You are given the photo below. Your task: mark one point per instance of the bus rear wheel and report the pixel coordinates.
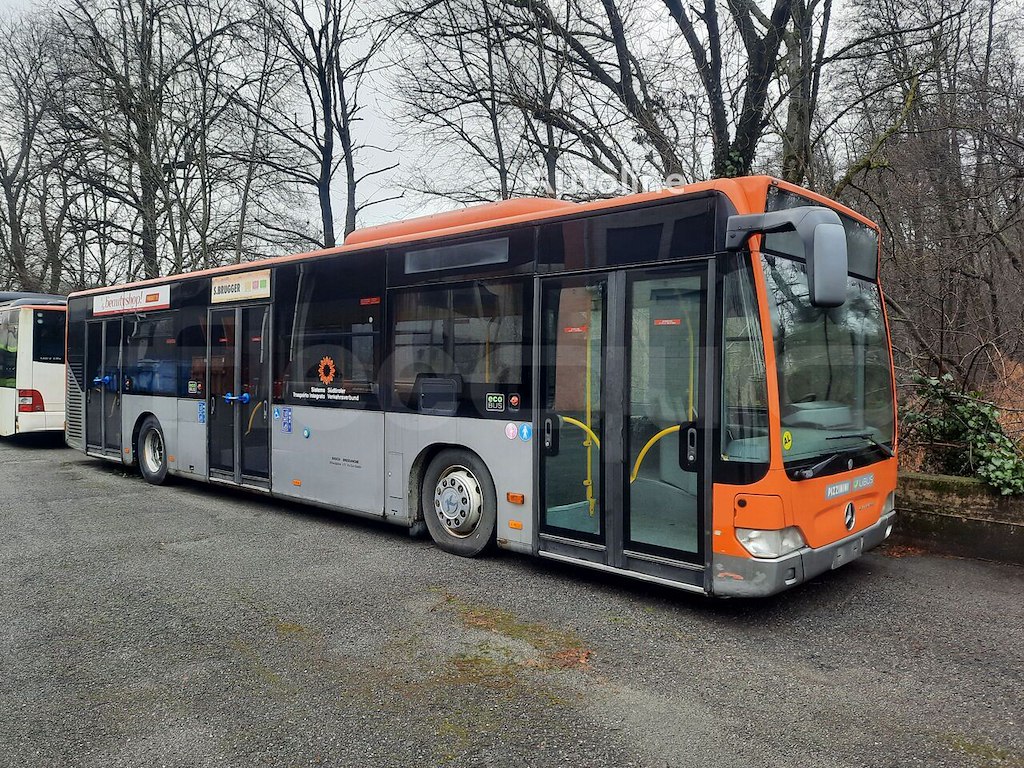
(460, 505)
(152, 452)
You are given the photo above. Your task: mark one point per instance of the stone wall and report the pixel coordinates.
(959, 516)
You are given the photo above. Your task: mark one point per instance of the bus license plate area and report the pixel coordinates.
(849, 551)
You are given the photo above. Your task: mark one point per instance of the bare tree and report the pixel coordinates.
(25, 99)
(947, 179)
(126, 59)
(329, 46)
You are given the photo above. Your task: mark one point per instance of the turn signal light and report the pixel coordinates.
(30, 401)
(516, 498)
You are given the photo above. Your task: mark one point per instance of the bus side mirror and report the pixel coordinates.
(827, 264)
(823, 237)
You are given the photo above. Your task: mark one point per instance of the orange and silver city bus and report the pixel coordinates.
(692, 387)
(31, 363)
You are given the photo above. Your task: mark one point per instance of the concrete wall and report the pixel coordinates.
(959, 516)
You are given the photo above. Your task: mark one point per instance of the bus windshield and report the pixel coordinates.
(835, 387)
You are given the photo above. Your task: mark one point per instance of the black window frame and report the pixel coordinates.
(359, 280)
(129, 363)
(470, 398)
(60, 315)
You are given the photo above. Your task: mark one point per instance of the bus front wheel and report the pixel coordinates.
(459, 503)
(152, 452)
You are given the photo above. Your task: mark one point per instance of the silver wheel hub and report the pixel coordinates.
(458, 501)
(153, 451)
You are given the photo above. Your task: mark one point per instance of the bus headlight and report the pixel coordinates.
(770, 544)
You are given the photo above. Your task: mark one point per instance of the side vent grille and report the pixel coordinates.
(73, 408)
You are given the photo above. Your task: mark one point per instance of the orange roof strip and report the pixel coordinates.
(747, 194)
(52, 307)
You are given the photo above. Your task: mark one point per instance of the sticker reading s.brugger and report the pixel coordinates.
(787, 440)
(326, 370)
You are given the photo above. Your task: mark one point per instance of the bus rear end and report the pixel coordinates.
(32, 379)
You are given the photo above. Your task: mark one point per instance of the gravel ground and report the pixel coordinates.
(192, 626)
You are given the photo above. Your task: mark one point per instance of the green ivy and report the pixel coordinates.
(961, 435)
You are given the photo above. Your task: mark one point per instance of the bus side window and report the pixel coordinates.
(329, 346)
(744, 378)
(471, 334)
(8, 348)
(151, 355)
(192, 352)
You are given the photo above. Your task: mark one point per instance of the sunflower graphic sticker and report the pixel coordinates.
(326, 370)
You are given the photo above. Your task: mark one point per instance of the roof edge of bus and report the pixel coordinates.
(21, 298)
(750, 189)
(59, 307)
(484, 213)
(824, 200)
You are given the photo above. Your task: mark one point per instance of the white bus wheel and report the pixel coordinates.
(459, 503)
(152, 452)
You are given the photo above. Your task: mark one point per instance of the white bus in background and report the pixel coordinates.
(31, 363)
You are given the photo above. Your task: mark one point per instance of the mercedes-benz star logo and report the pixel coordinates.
(851, 516)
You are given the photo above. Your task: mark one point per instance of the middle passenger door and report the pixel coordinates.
(239, 395)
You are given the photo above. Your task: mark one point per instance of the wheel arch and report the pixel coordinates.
(136, 431)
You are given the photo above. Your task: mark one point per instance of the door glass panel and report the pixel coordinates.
(253, 411)
(94, 384)
(664, 399)
(112, 388)
(222, 382)
(573, 409)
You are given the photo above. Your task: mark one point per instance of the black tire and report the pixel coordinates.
(460, 505)
(152, 452)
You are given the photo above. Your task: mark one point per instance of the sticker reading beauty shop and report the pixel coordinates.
(139, 300)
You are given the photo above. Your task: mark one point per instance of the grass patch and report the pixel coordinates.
(992, 755)
(288, 628)
(557, 649)
(483, 671)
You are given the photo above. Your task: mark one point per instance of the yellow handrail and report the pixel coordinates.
(693, 355)
(584, 427)
(252, 417)
(646, 448)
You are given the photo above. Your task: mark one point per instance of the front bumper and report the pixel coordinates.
(749, 577)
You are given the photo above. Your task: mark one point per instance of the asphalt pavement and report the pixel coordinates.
(188, 625)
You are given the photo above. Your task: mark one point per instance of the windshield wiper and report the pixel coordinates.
(870, 438)
(815, 469)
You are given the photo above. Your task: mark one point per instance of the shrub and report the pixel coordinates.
(960, 435)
